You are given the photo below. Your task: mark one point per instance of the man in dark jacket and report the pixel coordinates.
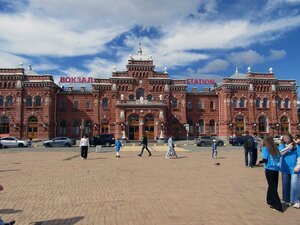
(249, 146)
(145, 146)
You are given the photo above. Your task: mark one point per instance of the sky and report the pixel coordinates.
(192, 38)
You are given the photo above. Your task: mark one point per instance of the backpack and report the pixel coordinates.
(249, 144)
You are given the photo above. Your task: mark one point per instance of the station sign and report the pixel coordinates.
(76, 80)
(201, 81)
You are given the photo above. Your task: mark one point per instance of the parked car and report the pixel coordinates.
(208, 141)
(237, 141)
(14, 142)
(60, 142)
(277, 139)
(102, 139)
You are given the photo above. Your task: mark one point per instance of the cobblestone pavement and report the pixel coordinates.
(58, 187)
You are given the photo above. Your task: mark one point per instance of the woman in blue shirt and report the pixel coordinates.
(290, 177)
(271, 159)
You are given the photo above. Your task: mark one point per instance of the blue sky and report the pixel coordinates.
(192, 38)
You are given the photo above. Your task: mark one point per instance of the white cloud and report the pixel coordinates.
(277, 54)
(214, 66)
(247, 58)
(75, 28)
(11, 61)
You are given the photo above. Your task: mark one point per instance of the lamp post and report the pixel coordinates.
(277, 127)
(197, 126)
(298, 126)
(231, 128)
(254, 126)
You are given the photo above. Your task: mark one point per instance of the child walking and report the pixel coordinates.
(214, 149)
(118, 146)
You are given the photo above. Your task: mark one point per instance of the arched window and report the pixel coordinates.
(200, 105)
(4, 125)
(212, 126)
(149, 97)
(88, 126)
(239, 125)
(63, 127)
(212, 105)
(285, 124)
(63, 104)
(174, 103)
(191, 127)
(76, 127)
(265, 103)
(201, 126)
(242, 103)
(257, 102)
(235, 103)
(139, 93)
(104, 103)
(1, 100)
(262, 124)
(189, 105)
(37, 101)
(131, 97)
(9, 101)
(279, 103)
(28, 101)
(287, 103)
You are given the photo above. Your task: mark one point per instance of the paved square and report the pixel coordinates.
(57, 187)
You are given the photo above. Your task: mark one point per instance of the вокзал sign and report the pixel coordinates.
(76, 80)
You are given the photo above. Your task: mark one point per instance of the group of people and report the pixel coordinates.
(1, 221)
(284, 159)
(84, 145)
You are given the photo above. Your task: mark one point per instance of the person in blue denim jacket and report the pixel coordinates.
(290, 152)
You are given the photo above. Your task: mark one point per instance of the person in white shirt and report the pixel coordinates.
(84, 145)
(171, 151)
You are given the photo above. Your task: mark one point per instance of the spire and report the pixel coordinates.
(140, 51)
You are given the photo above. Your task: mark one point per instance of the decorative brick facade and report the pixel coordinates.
(141, 101)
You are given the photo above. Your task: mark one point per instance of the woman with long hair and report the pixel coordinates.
(271, 159)
(290, 152)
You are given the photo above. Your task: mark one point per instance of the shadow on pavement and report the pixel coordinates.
(12, 170)
(69, 221)
(10, 211)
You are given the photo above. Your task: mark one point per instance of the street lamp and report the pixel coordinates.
(298, 126)
(277, 127)
(231, 128)
(254, 126)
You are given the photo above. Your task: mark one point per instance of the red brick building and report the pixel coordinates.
(142, 100)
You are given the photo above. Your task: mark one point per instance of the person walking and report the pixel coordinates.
(271, 159)
(1, 221)
(257, 147)
(118, 146)
(171, 150)
(249, 146)
(214, 149)
(84, 145)
(145, 146)
(290, 152)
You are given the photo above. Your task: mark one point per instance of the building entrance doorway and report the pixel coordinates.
(32, 127)
(149, 127)
(133, 126)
